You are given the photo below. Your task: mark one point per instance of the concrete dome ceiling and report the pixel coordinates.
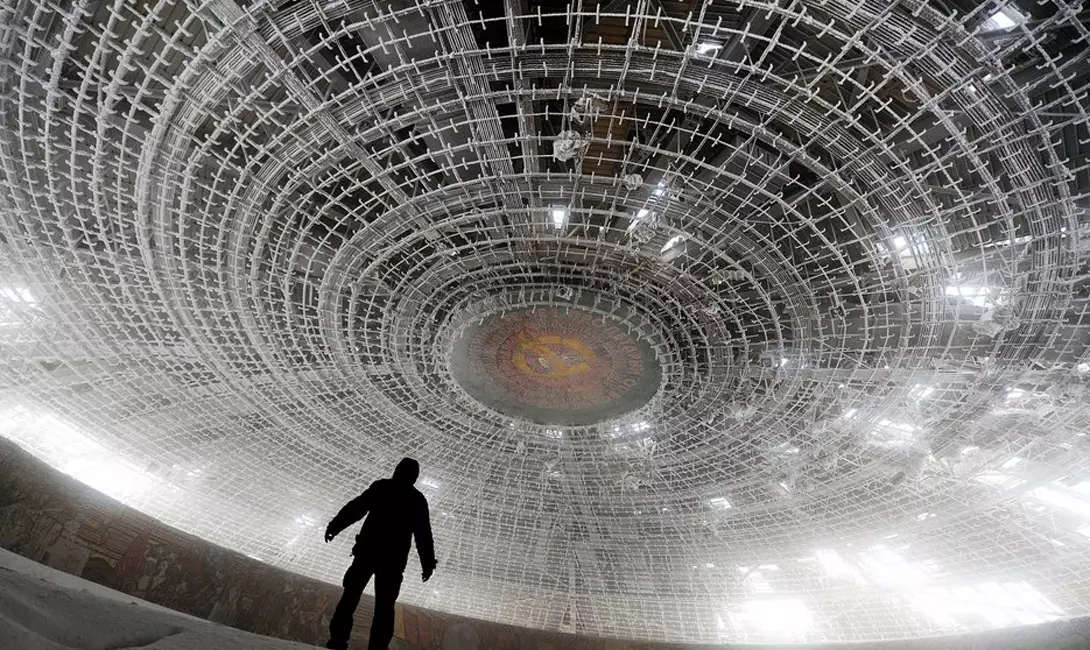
(708, 320)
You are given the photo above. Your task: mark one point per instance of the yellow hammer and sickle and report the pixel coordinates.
(544, 348)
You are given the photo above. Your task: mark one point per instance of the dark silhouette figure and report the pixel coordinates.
(396, 513)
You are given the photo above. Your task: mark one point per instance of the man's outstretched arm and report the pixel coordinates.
(352, 512)
(425, 545)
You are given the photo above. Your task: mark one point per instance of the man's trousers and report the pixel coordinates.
(387, 588)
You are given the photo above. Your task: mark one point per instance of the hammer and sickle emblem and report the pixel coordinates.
(551, 356)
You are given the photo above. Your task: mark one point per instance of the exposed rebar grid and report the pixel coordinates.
(812, 275)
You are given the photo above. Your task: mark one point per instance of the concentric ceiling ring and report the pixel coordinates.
(556, 366)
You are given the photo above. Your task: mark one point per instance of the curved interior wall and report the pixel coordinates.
(53, 519)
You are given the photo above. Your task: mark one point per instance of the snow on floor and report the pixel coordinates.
(44, 609)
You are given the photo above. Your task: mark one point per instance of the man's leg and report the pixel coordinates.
(340, 626)
(387, 588)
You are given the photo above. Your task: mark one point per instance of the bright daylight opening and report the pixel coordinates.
(988, 604)
(64, 447)
(560, 217)
(974, 295)
(1005, 18)
(17, 294)
(772, 620)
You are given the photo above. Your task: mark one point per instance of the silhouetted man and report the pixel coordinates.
(396, 512)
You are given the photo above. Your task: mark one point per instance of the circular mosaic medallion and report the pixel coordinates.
(555, 366)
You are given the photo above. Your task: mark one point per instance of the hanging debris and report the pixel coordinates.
(828, 460)
(585, 108)
(632, 482)
(913, 469)
(644, 227)
(569, 145)
(573, 141)
(741, 412)
(632, 181)
(1067, 394)
(996, 320)
(644, 233)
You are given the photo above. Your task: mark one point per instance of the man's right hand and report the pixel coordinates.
(428, 571)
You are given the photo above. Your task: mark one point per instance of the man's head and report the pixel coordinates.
(408, 470)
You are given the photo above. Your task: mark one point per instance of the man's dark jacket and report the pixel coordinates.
(396, 512)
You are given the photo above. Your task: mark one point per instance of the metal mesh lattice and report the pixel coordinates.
(241, 241)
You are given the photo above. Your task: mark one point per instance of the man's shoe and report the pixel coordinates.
(335, 645)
